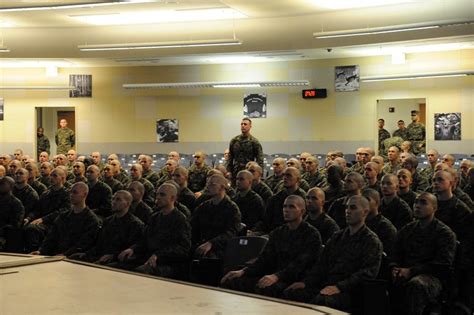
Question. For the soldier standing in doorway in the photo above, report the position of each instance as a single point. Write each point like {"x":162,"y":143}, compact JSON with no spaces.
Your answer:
{"x":65,"y":138}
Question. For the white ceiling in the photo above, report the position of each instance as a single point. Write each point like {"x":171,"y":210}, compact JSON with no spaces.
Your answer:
{"x":273,"y":30}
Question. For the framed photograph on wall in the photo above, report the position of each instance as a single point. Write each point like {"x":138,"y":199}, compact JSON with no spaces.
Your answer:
{"x":347,"y":78}
{"x":447,"y":126}
{"x":167,"y":130}
{"x":1,"y":108}
{"x":255,"y":105}
{"x":83,"y":84}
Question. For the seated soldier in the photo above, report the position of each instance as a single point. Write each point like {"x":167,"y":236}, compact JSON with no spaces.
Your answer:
{"x":170,"y":166}
{"x":291,"y":249}
{"x":458,"y":192}
{"x":173,"y":155}
{"x":258,"y":185}
{"x":363,"y":155}
{"x":249,"y":202}
{"x":78,"y":170}
{"x":469,"y":188}
{"x":108,"y":178}
{"x":350,"y":256}
{"x":136,"y":172}
{"x":11,"y":211}
{"x":464,"y":167}
{"x":325,"y":225}
{"x":303,"y":157}
{"x":371,"y":172}
{"x":50,"y":204}
{"x":74,"y":230}
{"x":165,"y":247}
{"x":147,"y":162}
{"x":449,"y":160}
{"x":303,"y":184}
{"x":71,"y":159}
{"x":178,"y":205}
{"x":33,"y":173}
{"x":24,"y":192}
{"x":334,"y":189}
{"x":43,"y":157}
{"x":392,"y":207}
{"x":419,"y":183}
{"x":197,"y":173}
{"x":45,"y":170}
{"x":97,"y":160}
{"x":3,"y":171}
{"x":138,"y":208}
{"x":119,"y":173}
{"x":312,"y":175}
{"x":99,"y":198}
{"x":379,"y":224}
{"x":450,"y":210}
{"x":404,"y":191}
{"x":273,"y":180}
{"x":214,"y":221}
{"x":273,"y":217}
{"x":185,"y":195}
{"x":421,"y":247}
{"x":393,"y":164}
{"x":13,"y":166}
{"x":353,"y":184}
{"x":119,"y":231}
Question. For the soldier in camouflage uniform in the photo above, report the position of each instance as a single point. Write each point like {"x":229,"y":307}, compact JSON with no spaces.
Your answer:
{"x":419,"y":245}
{"x":197,"y":173}
{"x":383,"y":134}
{"x":393,"y":164}
{"x":363,"y":155}
{"x":312,"y":174}
{"x":146,"y":162}
{"x":416,"y":133}
{"x":428,"y":171}
{"x":402,"y":131}
{"x":65,"y":138}
{"x":244,"y":148}
{"x":279,"y":167}
{"x":42,"y":142}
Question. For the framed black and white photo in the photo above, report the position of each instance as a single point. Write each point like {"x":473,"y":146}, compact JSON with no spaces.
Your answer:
{"x":347,"y":78}
{"x":167,"y":130}
{"x":1,"y":108}
{"x":83,"y":84}
{"x":447,"y":126}
{"x":255,"y":105}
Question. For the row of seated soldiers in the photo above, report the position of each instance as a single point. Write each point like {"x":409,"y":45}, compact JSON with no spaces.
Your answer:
{"x":210,"y":229}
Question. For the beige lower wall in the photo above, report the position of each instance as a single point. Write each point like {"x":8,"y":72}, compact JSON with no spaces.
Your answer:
{"x":125,"y":119}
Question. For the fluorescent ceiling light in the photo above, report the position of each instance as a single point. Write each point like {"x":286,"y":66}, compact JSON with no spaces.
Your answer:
{"x":4,"y":50}
{"x":18,"y":63}
{"x":388,"y":29}
{"x":158,"y":45}
{"x":349,"y":4}
{"x":39,"y":88}
{"x":198,"y":85}
{"x":72,"y":6}
{"x":418,"y":76}
{"x":160,"y":16}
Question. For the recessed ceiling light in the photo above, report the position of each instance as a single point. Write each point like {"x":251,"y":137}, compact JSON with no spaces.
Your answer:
{"x":160,"y":16}
{"x":350,"y":4}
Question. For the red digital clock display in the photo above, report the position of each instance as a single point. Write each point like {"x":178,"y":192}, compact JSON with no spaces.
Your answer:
{"x":314,"y":93}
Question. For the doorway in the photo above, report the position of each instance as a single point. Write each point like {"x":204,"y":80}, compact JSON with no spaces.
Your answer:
{"x":394,"y":110}
{"x":49,"y":117}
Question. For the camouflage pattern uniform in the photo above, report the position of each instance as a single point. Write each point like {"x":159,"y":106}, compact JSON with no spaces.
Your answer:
{"x":384,"y":229}
{"x":42,"y":145}
{"x":263,"y":191}
{"x":428,"y":173}
{"x":141,"y":210}
{"x":114,"y":184}
{"x":272,"y":181}
{"x":418,"y":248}
{"x":416,"y":135}
{"x":383,"y":134}
{"x":358,"y":167}
{"x":242,"y":150}
{"x":197,"y":177}
{"x":389,"y":169}
{"x":251,"y":208}
{"x":346,"y":261}
{"x":397,"y":211}
{"x":288,"y":254}
{"x":325,"y":225}
{"x":420,"y":183}
{"x":65,"y":140}
{"x":11,"y":216}
{"x":401,"y":133}
{"x":38,"y":186}
{"x":315,"y":180}
{"x":152,"y":176}
{"x":28,"y":197}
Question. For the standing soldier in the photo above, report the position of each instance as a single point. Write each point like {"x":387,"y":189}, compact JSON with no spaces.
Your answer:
{"x":244,"y":148}
{"x":65,"y":138}
{"x":416,"y":133}
{"x":383,"y":134}
{"x":402,"y":131}
{"x":42,"y":142}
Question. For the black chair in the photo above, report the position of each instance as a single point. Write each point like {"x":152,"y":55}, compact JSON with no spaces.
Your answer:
{"x":242,"y":250}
